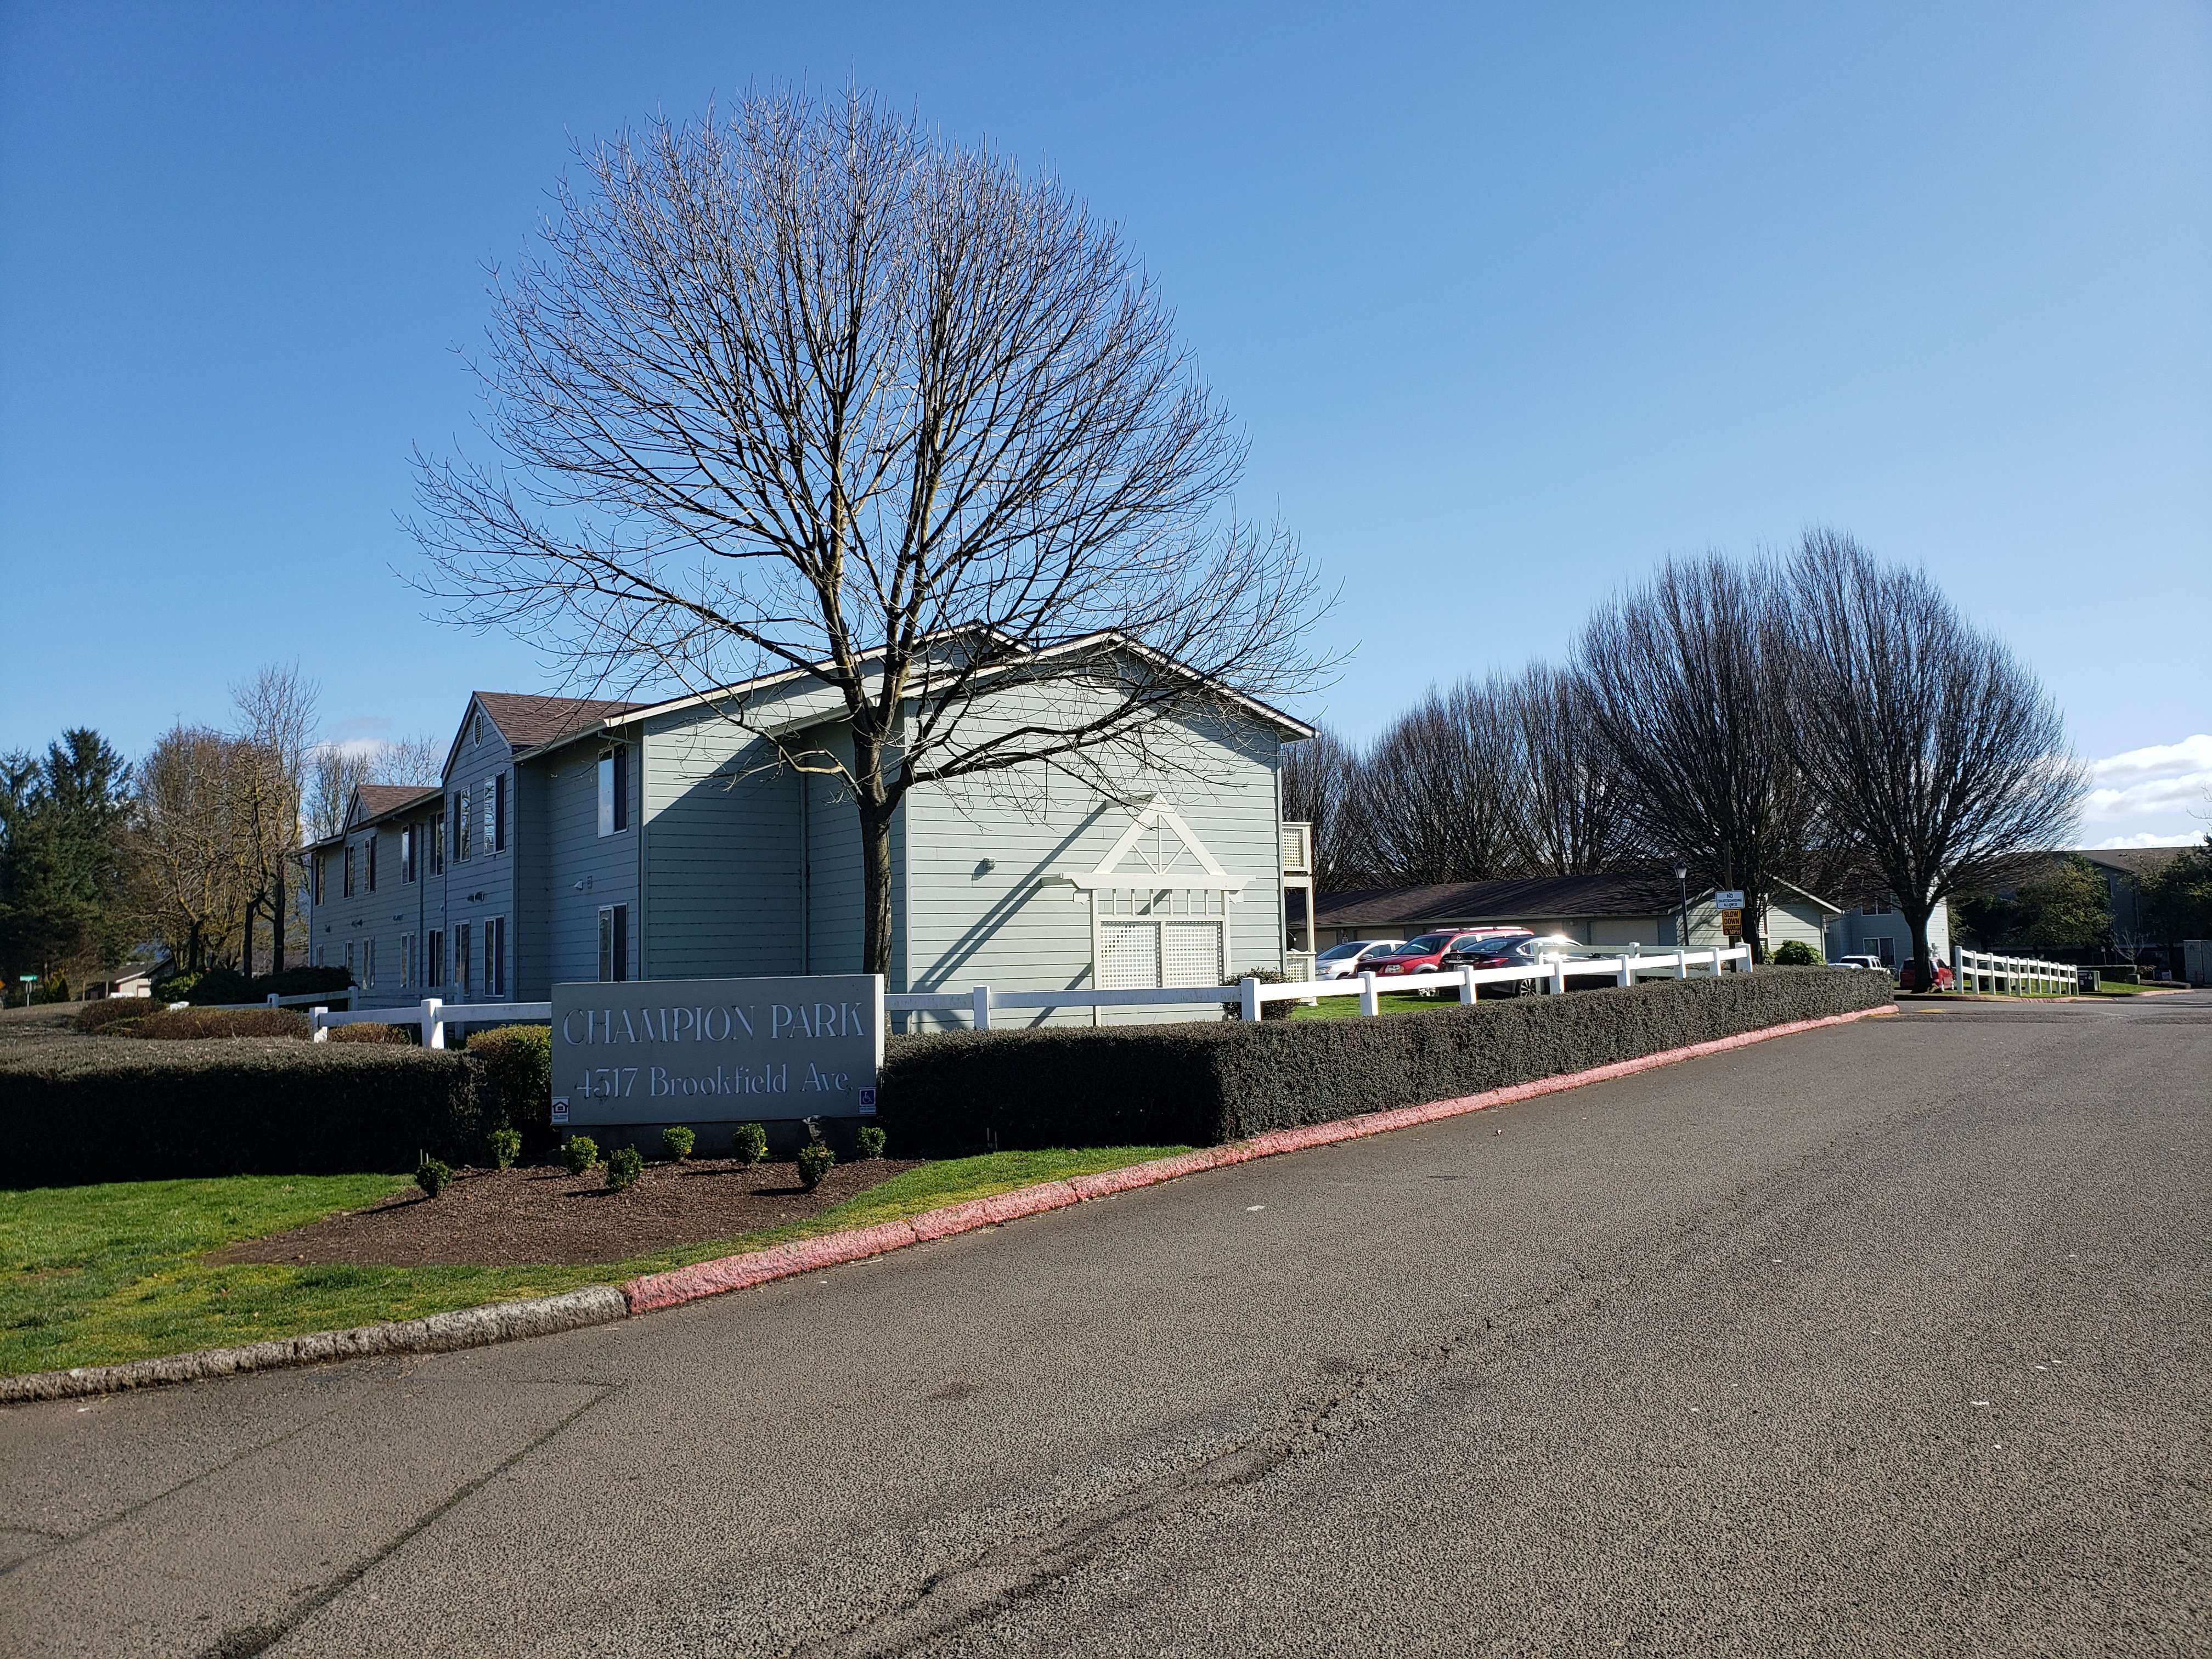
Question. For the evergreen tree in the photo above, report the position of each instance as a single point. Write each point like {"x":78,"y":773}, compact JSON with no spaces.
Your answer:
{"x":64,"y":825}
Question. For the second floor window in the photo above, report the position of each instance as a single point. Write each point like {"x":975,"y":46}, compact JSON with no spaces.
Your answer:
{"x":315,"y":875}
{"x":407,"y":854}
{"x":346,"y":888}
{"x":372,"y":864}
{"x":614,"y":793}
{"x":438,"y":845}
{"x":461,"y":825}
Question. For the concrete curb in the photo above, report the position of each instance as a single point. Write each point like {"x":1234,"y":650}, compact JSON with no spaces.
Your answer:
{"x":465,"y":1328}
{"x":501,"y":1321}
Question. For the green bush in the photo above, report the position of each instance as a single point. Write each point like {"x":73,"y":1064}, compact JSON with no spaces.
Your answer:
{"x":108,"y":1011}
{"x":220,"y":985}
{"x":677,"y":1141}
{"x":871,"y":1139}
{"x":1204,"y":1083}
{"x":749,"y":1143}
{"x":197,"y":1025}
{"x":404,"y":1036}
{"x":517,"y":1065}
{"x":1267,"y":1010}
{"x":815,"y":1160}
{"x":624,"y":1165}
{"x":1796,"y":953}
{"x":506,"y":1146}
{"x":580,"y":1153}
{"x":74,"y":1112}
{"x":432,"y":1176}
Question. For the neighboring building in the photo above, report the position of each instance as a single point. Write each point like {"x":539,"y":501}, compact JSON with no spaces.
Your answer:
{"x":575,"y":841}
{"x":133,"y":980}
{"x":1875,"y":927}
{"x":1634,"y":907}
{"x":2125,"y":868}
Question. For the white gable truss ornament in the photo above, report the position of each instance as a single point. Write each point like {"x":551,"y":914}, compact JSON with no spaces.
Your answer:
{"x":1159,"y":850}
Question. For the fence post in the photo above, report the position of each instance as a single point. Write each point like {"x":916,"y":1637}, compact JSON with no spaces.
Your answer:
{"x":1626,"y":975}
{"x":272,"y":999}
{"x":1466,"y":984}
{"x":1249,"y":995}
{"x":1559,"y":976}
{"x":982,"y":1007}
{"x":321,"y":1032}
{"x":434,"y":1029}
{"x":1369,"y":1001}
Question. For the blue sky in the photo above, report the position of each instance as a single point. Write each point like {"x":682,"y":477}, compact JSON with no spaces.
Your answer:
{"x":1511,"y":300}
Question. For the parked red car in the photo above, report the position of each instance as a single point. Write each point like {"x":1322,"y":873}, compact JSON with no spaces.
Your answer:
{"x":1425,"y":954}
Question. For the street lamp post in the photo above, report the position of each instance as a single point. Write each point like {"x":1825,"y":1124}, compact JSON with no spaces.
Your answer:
{"x":1682,"y":926}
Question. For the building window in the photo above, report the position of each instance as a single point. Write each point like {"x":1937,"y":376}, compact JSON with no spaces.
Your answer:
{"x":476,"y":730}
{"x":461,"y":827}
{"x":350,"y":978}
{"x":498,"y":836}
{"x":614,"y":793}
{"x":407,"y":854}
{"x":347,"y":889}
{"x":1873,"y":909}
{"x":369,"y":962}
{"x":434,"y":956}
{"x":438,"y":845}
{"x":461,"y":963}
{"x":1884,"y":947}
{"x":495,"y":955}
{"x":315,"y":875}
{"x":406,"y":960}
{"x":614,"y":942}
{"x":372,"y":861}
{"x":319,"y":956}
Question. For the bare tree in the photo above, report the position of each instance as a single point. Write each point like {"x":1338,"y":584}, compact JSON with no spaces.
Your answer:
{"x":420,"y":759}
{"x":276,"y":713}
{"x":1573,"y":819}
{"x":191,"y":865}
{"x":808,"y":390}
{"x":1684,"y":679}
{"x":1444,"y":787}
{"x":1323,"y":785}
{"x":1936,"y":750}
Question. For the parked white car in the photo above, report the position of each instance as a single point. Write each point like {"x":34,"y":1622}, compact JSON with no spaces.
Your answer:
{"x":1343,"y":961}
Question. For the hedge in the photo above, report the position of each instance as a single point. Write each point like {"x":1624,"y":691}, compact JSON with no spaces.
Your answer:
{"x":108,"y":1110}
{"x":1204,"y":1083}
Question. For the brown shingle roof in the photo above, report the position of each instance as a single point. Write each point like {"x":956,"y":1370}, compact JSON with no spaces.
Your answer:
{"x":527,"y":718}
{"x":1625,"y":893}
{"x":2136,"y":861}
{"x":379,"y":798}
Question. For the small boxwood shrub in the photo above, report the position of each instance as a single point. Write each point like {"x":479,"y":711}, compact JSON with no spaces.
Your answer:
{"x":78,"y":1111}
{"x":579,"y":1153}
{"x":1203,"y":1082}
{"x":516,"y":1067}
{"x":624,"y":1165}
{"x":815,"y":1161}
{"x":749,"y":1143}
{"x":506,"y":1146}
{"x":97,"y":1016}
{"x":432,"y":1176}
{"x":871,"y":1140}
{"x":1796,"y":953}
{"x":1267,"y":1010}
{"x":677,"y":1141}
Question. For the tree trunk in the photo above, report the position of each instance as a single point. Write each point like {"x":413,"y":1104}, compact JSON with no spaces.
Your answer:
{"x":1920,"y":973}
{"x":876,"y":886}
{"x":277,"y":907}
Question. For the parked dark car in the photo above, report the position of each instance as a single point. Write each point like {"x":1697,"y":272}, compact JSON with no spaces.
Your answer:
{"x":1426,"y":954}
{"x":1505,"y":950}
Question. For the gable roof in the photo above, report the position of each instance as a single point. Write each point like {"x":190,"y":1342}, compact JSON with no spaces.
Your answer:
{"x":528,"y":719}
{"x":1651,"y":892}
{"x":2137,"y":862}
{"x":376,"y":800}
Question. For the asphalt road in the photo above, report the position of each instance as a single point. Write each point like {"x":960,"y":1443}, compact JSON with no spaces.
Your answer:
{"x":1886,"y":1338}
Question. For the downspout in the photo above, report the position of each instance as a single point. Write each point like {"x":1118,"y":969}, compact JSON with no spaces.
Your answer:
{"x":640,"y":968}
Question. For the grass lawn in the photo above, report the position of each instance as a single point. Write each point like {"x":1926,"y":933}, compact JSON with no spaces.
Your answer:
{"x":2108,"y":988}
{"x":92,"y":1275}
{"x":1401,"y":1002}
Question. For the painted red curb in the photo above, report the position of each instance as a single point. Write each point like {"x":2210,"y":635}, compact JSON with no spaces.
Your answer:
{"x":738,"y":1272}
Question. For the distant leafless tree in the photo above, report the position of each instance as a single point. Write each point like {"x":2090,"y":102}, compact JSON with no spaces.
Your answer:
{"x":808,"y":389}
{"x":276,"y":718}
{"x":1684,"y":678}
{"x":1573,"y":819}
{"x":1322,"y":785}
{"x":194,"y":862}
{"x":1442,"y":787}
{"x":1937,"y":751}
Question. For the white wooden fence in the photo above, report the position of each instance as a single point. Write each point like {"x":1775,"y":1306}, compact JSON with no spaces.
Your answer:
{"x":1550,"y":974}
{"x":1977,"y":971}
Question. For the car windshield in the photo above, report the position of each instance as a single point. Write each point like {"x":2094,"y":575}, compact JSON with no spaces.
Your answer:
{"x":1423,"y":946}
{"x":1337,"y":953}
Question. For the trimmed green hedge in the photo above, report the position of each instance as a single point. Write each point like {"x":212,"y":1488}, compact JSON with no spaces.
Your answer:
{"x":1204,"y":1083}
{"x":97,"y":1109}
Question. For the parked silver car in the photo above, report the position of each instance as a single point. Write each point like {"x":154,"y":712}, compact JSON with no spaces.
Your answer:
{"x":1344,"y":961}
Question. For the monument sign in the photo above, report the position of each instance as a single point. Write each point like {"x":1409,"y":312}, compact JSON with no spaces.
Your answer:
{"x":707,"y":1050}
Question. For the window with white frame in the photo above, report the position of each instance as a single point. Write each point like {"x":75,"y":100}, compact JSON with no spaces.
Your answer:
{"x":614,"y":943}
{"x":495,"y":955}
{"x":614,"y":792}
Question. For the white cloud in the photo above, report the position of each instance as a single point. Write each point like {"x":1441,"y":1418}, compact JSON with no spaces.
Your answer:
{"x":2159,"y":760}
{"x":2162,"y":796}
{"x":2146,"y":839}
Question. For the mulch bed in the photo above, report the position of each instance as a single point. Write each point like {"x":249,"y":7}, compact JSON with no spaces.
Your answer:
{"x":543,"y":1215}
